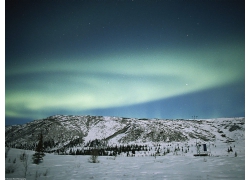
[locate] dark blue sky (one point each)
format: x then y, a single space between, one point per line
144 59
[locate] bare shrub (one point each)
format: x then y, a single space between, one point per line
25 164
77 165
94 156
23 156
10 168
7 149
37 175
46 172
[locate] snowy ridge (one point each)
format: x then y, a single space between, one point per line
62 131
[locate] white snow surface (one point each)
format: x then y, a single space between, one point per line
103 129
220 165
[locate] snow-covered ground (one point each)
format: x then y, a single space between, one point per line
221 165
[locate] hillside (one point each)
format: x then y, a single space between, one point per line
138 148
63 132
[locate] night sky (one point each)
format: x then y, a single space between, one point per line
141 59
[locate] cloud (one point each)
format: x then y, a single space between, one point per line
117 79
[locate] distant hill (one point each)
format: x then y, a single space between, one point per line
63 132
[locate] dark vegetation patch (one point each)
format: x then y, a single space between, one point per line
234 127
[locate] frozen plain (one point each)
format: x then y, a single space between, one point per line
221 165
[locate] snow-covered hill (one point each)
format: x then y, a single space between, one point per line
144 148
63 132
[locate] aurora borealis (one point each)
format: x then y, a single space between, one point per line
144 59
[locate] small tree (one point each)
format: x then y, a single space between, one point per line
25 163
39 154
23 156
7 151
94 156
235 154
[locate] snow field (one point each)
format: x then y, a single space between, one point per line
57 167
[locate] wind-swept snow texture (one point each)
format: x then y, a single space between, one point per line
158 140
